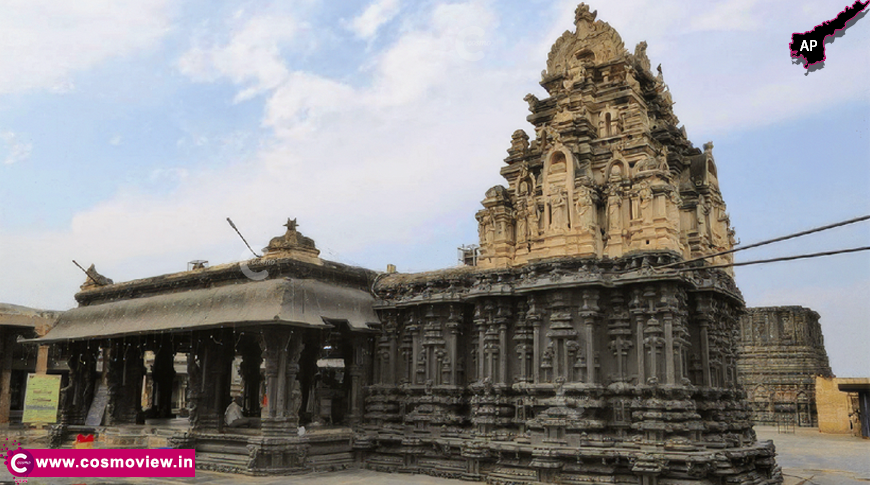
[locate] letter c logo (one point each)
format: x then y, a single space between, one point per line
21 463
14 463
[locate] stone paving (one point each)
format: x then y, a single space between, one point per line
807 458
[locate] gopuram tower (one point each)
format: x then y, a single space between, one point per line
579 350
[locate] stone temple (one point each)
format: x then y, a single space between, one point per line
781 352
583 348
567 355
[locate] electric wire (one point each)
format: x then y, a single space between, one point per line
775 260
769 241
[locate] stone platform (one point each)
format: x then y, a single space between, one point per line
807 457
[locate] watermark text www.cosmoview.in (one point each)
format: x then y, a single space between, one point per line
96 463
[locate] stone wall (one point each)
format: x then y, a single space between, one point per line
781 351
838 411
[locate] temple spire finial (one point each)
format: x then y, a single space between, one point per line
582 14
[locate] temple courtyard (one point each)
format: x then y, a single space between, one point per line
806 457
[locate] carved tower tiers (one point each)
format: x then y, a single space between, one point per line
608 172
574 352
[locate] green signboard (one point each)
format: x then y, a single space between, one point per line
41 398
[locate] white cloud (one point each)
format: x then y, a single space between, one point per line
43 42
378 13
251 57
420 59
116 140
16 150
423 58
303 100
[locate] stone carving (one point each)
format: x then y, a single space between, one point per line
556 385
584 208
95 279
292 244
641 57
522 223
779 366
559 210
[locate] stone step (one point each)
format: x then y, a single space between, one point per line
222 462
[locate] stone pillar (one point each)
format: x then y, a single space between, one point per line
480 325
194 386
589 313
432 345
6 343
491 343
619 331
523 338
637 312
704 316
281 348
412 331
76 397
407 347
453 323
124 373
560 334
501 320
358 371
385 356
730 336
392 329
209 378
250 370
163 376
42 359
534 317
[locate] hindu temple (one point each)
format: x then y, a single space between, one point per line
576 351
594 339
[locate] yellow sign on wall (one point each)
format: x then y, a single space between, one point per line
41 398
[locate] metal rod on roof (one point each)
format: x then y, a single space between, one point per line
243 238
85 271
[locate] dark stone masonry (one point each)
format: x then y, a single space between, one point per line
781 352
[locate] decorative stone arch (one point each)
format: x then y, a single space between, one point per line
620 165
585 55
525 184
608 122
557 162
558 155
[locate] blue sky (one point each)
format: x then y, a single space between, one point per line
130 130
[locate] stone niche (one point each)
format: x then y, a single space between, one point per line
569 355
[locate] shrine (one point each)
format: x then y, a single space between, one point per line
285 333
579 349
781 353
